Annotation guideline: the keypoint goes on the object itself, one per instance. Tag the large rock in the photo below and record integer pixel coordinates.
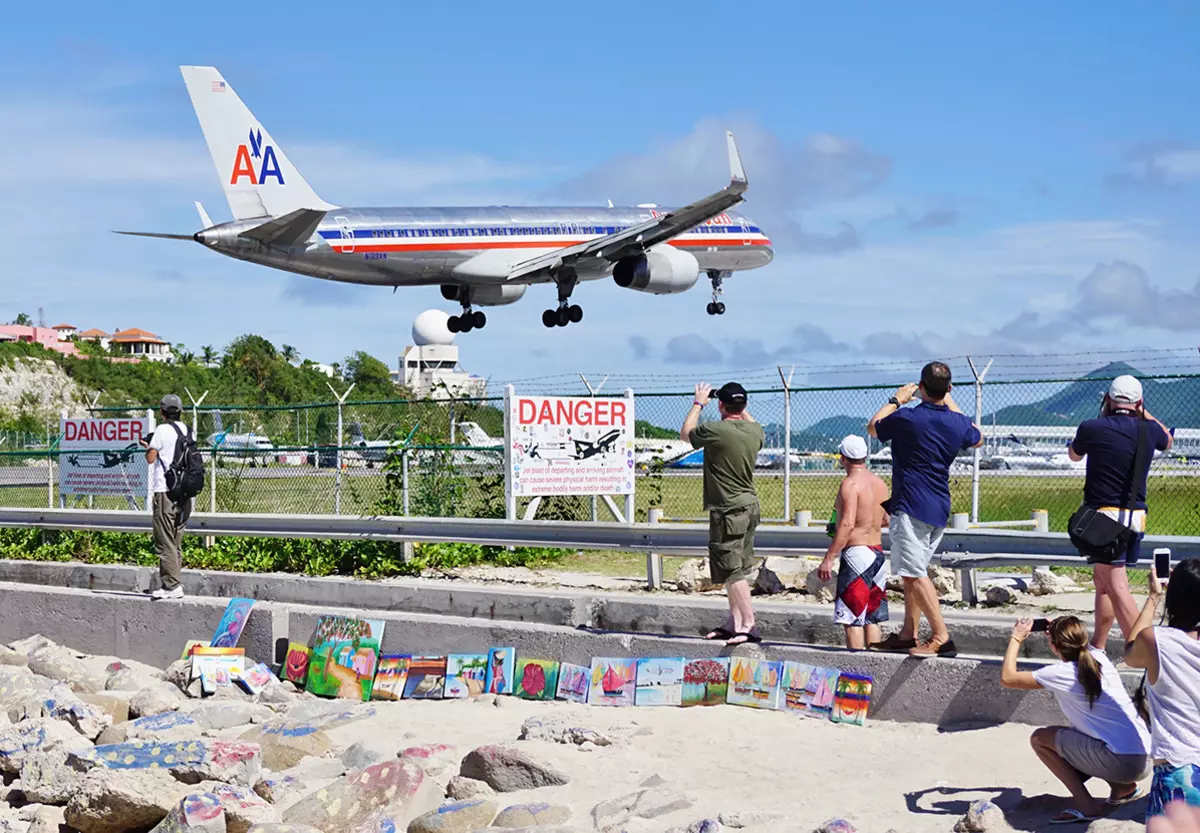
(559, 730)
(113, 703)
(243, 808)
(278, 694)
(47, 820)
(191, 762)
(652, 802)
(161, 728)
(694, 576)
(457, 817)
(330, 714)
(61, 703)
(125, 678)
(998, 594)
(215, 716)
(505, 769)
(460, 788)
(117, 802)
(434, 758)
(1046, 582)
(364, 753)
(280, 789)
(945, 582)
(751, 818)
(780, 575)
(41, 735)
(16, 683)
(10, 657)
(822, 591)
(229, 762)
(155, 699)
(981, 817)
(285, 743)
(64, 665)
(46, 778)
(532, 815)
(390, 794)
(179, 673)
(30, 644)
(198, 812)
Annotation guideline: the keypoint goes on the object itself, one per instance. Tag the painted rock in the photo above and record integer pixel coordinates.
(382, 796)
(532, 815)
(458, 817)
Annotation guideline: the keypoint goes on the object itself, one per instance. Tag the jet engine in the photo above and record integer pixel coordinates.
(664, 270)
(497, 295)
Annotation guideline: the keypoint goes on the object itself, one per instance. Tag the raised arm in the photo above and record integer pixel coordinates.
(899, 399)
(1141, 648)
(703, 394)
(1010, 677)
(953, 406)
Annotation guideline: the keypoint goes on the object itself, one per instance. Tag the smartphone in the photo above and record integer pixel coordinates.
(1040, 626)
(1162, 563)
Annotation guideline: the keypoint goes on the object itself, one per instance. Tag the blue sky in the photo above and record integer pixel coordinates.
(996, 179)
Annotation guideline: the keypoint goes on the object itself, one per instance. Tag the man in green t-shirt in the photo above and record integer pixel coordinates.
(731, 447)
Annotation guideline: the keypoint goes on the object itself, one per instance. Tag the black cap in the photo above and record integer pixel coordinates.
(731, 393)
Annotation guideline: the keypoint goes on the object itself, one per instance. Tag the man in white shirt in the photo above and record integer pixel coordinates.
(170, 518)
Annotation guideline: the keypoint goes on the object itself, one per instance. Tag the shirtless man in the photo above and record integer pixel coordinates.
(862, 574)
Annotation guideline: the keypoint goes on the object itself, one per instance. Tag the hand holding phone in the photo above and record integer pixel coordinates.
(1040, 626)
(1162, 563)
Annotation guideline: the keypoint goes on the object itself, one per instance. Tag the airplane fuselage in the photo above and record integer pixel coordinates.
(422, 246)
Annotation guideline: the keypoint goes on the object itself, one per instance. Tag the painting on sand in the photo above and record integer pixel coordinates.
(426, 678)
(573, 682)
(659, 682)
(501, 671)
(852, 698)
(345, 651)
(465, 675)
(295, 666)
(821, 687)
(614, 681)
(537, 679)
(390, 677)
(230, 628)
(705, 681)
(795, 696)
(754, 683)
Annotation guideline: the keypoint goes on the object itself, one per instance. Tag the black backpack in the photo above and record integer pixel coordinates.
(185, 475)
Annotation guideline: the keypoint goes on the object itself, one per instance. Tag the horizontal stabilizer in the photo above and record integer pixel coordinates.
(288, 230)
(155, 234)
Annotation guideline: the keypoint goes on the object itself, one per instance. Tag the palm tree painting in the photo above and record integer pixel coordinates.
(852, 699)
(465, 675)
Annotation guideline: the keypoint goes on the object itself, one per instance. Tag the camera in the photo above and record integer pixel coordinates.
(1040, 626)
(1162, 563)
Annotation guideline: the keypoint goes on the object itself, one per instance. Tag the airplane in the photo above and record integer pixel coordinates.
(478, 256)
(586, 448)
(109, 459)
(225, 441)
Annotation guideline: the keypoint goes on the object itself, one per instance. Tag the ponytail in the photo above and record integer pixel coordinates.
(1071, 638)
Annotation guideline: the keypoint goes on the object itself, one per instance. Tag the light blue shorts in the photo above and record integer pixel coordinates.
(912, 544)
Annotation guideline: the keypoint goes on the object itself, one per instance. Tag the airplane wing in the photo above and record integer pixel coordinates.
(636, 239)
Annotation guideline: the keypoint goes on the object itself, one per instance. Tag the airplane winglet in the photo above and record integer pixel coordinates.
(736, 172)
(205, 221)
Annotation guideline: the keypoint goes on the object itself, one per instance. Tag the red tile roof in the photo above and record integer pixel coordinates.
(133, 334)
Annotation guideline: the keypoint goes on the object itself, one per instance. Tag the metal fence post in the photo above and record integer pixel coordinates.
(803, 518)
(976, 453)
(630, 501)
(404, 478)
(787, 439)
(212, 494)
(510, 497)
(654, 562)
(592, 391)
(337, 480)
(1041, 520)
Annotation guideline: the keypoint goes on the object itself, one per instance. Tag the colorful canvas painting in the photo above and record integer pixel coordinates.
(852, 698)
(573, 682)
(229, 631)
(214, 660)
(426, 678)
(295, 666)
(501, 670)
(614, 681)
(537, 679)
(255, 679)
(391, 676)
(343, 659)
(754, 683)
(192, 644)
(795, 696)
(465, 675)
(821, 686)
(659, 682)
(705, 681)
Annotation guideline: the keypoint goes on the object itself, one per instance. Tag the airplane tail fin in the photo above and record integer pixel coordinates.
(476, 436)
(258, 178)
(356, 433)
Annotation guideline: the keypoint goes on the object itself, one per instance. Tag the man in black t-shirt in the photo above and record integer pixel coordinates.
(1109, 443)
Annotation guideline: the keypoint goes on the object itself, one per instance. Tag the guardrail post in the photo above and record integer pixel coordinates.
(404, 479)
(803, 518)
(212, 494)
(1041, 519)
(787, 439)
(970, 585)
(960, 520)
(654, 562)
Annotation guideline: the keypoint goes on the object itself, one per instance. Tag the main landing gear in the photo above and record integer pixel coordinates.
(470, 319)
(715, 306)
(566, 313)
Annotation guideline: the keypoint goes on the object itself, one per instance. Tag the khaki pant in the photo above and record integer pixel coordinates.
(168, 540)
(731, 543)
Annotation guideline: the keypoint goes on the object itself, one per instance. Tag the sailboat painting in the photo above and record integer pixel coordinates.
(795, 696)
(659, 682)
(821, 686)
(573, 682)
(852, 699)
(614, 681)
(754, 683)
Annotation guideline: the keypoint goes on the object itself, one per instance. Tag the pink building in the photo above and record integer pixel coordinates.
(45, 336)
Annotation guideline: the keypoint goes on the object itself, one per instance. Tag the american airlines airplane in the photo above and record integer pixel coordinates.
(479, 256)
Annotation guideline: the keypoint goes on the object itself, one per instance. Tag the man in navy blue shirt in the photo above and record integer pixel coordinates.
(925, 440)
(1109, 443)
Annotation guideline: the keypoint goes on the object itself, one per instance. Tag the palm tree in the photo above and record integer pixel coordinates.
(23, 320)
(185, 358)
(289, 353)
(209, 355)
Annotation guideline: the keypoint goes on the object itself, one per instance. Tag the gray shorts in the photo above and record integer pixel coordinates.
(1093, 759)
(912, 544)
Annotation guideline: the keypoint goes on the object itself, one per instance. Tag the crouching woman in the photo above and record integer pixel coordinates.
(1105, 740)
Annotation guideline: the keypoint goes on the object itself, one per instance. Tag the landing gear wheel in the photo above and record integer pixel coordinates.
(575, 313)
(452, 324)
(479, 320)
(466, 323)
(719, 306)
(563, 316)
(711, 309)
(550, 318)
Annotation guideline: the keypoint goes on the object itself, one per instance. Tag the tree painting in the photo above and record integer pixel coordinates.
(705, 682)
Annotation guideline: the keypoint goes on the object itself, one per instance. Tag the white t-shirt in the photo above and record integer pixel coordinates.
(1175, 698)
(163, 441)
(1113, 719)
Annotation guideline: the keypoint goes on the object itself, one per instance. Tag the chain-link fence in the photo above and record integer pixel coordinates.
(446, 457)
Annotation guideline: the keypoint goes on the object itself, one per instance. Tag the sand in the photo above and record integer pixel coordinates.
(883, 776)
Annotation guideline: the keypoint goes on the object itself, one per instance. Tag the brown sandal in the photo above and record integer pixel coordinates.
(893, 642)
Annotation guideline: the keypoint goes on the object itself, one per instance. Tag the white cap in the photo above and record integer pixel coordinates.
(853, 447)
(1125, 389)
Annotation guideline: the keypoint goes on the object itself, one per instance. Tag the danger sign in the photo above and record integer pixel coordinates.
(103, 456)
(565, 445)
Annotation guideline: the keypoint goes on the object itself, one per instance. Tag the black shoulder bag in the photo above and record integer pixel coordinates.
(1095, 534)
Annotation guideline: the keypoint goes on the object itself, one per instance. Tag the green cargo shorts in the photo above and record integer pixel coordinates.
(731, 543)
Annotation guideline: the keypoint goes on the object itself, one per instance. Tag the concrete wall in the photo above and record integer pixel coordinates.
(950, 693)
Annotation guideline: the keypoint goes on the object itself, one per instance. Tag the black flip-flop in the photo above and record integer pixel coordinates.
(720, 633)
(750, 639)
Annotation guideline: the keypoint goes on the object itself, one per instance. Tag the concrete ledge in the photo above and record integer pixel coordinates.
(976, 632)
(945, 692)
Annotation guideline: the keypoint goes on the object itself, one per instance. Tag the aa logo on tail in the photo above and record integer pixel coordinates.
(243, 163)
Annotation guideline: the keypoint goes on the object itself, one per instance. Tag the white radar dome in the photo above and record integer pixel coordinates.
(431, 328)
